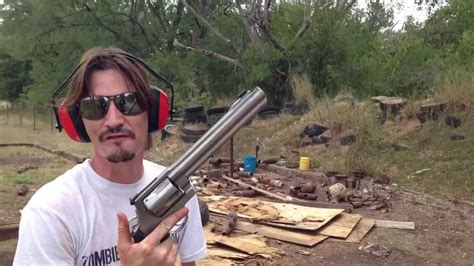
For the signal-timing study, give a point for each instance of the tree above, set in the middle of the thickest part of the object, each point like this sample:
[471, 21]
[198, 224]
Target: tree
[15, 79]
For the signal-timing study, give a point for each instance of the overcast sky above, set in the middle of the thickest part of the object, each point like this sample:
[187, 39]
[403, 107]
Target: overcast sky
[404, 8]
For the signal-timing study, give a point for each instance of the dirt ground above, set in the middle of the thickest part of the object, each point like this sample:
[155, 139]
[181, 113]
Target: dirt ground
[444, 230]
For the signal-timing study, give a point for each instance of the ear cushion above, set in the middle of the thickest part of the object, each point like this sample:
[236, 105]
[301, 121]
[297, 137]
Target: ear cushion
[158, 111]
[72, 123]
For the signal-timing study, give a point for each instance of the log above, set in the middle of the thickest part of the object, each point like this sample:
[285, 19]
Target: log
[68, 155]
[8, 231]
[270, 194]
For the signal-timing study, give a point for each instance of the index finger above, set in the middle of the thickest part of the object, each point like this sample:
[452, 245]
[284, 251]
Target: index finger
[154, 238]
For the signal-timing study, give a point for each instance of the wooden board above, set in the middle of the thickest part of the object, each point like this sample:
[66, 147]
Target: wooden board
[362, 228]
[214, 261]
[341, 226]
[395, 224]
[225, 253]
[308, 239]
[285, 215]
[251, 244]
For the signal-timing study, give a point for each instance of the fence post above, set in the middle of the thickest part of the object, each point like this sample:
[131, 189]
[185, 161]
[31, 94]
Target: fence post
[51, 120]
[34, 117]
[21, 114]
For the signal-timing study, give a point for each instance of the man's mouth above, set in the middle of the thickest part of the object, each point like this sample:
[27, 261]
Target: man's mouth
[116, 136]
[122, 134]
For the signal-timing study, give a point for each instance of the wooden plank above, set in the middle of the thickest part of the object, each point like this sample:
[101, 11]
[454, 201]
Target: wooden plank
[308, 239]
[249, 244]
[319, 204]
[362, 228]
[341, 226]
[395, 224]
[215, 261]
[285, 215]
[225, 253]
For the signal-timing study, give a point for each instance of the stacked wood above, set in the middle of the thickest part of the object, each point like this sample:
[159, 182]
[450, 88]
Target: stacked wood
[289, 222]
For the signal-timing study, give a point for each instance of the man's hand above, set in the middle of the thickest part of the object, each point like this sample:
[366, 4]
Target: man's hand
[149, 251]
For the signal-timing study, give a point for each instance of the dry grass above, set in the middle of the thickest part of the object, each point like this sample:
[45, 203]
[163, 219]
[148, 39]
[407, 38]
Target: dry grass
[302, 89]
[456, 87]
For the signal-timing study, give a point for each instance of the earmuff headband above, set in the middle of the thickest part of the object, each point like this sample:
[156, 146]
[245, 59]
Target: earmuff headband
[158, 112]
[155, 74]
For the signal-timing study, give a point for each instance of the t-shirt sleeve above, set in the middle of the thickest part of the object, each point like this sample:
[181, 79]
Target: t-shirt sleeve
[43, 239]
[192, 244]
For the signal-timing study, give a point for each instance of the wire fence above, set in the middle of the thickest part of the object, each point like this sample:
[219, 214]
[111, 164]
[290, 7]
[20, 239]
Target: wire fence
[27, 115]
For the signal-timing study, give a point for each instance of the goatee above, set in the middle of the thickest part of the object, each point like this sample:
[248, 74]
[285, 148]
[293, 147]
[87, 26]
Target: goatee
[120, 156]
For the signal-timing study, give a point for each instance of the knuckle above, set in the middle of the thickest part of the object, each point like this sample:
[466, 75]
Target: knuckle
[167, 225]
[162, 253]
[121, 251]
[146, 248]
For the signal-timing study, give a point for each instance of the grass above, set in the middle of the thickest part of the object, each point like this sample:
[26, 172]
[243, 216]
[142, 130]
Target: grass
[449, 163]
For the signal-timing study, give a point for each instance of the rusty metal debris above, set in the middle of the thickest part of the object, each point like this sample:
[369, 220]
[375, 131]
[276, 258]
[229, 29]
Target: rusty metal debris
[293, 185]
[375, 249]
[228, 225]
[308, 188]
[244, 193]
[307, 196]
[22, 190]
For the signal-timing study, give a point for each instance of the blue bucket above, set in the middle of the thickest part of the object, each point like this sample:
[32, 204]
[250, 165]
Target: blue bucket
[250, 163]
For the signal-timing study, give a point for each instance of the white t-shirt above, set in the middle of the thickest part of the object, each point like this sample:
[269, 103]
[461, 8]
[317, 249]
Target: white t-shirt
[72, 220]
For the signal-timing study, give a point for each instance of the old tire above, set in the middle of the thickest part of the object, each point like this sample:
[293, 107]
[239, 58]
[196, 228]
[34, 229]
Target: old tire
[195, 118]
[218, 110]
[268, 111]
[189, 138]
[204, 210]
[194, 109]
[199, 132]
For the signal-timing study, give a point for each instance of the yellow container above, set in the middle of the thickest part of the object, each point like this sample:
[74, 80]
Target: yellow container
[304, 163]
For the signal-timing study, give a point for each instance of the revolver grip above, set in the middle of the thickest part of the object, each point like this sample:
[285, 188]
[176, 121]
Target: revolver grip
[138, 236]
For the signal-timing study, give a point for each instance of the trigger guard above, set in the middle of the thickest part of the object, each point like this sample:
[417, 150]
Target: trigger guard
[133, 223]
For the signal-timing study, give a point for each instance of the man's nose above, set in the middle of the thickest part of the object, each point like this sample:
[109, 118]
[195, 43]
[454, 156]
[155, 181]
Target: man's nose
[113, 117]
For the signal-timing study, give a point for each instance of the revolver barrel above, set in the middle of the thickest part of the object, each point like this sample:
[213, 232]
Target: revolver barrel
[171, 190]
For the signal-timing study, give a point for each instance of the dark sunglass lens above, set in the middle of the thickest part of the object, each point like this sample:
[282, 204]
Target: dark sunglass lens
[93, 108]
[127, 103]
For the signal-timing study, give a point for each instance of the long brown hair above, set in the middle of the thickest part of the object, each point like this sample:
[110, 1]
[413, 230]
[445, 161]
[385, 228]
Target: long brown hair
[100, 58]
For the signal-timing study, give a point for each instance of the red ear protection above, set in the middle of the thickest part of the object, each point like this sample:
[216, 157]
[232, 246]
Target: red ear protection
[158, 110]
[71, 121]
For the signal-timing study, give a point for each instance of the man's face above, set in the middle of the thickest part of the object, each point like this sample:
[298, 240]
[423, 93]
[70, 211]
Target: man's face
[116, 137]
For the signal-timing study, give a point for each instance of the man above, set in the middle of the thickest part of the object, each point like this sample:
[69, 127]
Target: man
[80, 218]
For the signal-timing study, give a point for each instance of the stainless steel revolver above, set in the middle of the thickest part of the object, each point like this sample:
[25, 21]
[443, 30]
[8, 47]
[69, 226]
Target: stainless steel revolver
[170, 191]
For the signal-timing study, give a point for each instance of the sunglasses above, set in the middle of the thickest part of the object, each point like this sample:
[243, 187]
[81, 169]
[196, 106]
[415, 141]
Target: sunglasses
[96, 107]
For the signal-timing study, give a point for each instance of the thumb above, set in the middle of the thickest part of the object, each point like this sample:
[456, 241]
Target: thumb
[124, 236]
